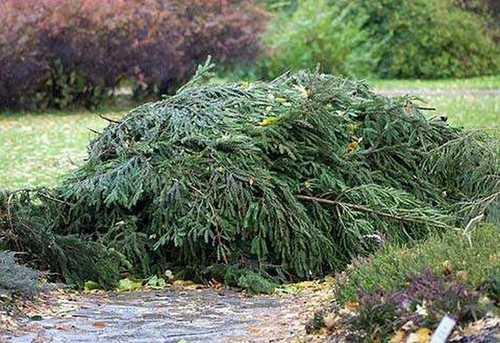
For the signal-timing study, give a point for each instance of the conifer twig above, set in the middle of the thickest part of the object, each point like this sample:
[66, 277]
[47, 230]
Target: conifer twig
[362, 208]
[108, 119]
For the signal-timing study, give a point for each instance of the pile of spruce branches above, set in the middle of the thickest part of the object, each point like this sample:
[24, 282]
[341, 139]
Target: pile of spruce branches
[290, 178]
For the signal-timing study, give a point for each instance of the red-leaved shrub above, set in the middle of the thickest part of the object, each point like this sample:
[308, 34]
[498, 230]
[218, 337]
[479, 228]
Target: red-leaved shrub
[55, 53]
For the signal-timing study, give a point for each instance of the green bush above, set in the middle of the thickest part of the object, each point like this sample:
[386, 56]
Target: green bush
[477, 263]
[279, 5]
[315, 34]
[490, 9]
[388, 38]
[427, 39]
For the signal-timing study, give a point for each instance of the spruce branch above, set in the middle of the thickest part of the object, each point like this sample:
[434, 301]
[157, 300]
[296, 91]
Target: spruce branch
[362, 208]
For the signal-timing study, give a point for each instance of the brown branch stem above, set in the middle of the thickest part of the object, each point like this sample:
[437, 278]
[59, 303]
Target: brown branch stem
[362, 208]
[109, 119]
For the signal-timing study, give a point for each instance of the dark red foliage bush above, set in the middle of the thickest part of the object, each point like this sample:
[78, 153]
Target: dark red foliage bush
[55, 53]
[188, 31]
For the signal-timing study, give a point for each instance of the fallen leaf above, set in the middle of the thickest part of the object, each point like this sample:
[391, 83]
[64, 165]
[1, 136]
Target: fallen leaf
[330, 321]
[187, 284]
[91, 285]
[462, 276]
[269, 121]
[352, 306]
[126, 285]
[100, 325]
[447, 267]
[63, 328]
[398, 337]
[422, 335]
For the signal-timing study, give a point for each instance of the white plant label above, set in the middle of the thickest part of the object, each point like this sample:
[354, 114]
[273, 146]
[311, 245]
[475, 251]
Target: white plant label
[443, 330]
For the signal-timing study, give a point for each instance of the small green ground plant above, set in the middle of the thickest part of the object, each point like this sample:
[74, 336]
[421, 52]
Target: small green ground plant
[475, 259]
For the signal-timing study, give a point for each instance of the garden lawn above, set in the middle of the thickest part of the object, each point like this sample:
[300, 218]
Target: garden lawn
[479, 83]
[471, 103]
[37, 149]
[468, 110]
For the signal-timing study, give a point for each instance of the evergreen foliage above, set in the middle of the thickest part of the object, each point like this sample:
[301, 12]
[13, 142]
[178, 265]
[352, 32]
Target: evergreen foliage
[290, 178]
[27, 219]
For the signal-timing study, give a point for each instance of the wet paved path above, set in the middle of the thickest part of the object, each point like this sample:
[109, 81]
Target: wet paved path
[170, 316]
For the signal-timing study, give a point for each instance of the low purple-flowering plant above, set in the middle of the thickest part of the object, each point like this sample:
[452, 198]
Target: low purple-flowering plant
[426, 300]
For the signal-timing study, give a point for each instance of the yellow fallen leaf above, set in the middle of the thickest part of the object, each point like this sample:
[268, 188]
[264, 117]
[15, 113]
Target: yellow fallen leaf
[353, 146]
[125, 285]
[187, 284]
[91, 285]
[398, 337]
[352, 306]
[462, 275]
[447, 267]
[422, 335]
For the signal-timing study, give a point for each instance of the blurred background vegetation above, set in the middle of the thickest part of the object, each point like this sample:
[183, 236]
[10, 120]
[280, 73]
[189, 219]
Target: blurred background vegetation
[65, 62]
[384, 39]
[65, 53]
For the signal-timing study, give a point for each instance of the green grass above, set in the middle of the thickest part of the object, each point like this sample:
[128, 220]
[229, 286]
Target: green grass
[482, 83]
[388, 269]
[37, 149]
[464, 106]
[468, 111]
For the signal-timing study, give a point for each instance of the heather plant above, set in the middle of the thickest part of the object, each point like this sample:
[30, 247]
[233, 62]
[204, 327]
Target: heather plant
[58, 53]
[426, 300]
